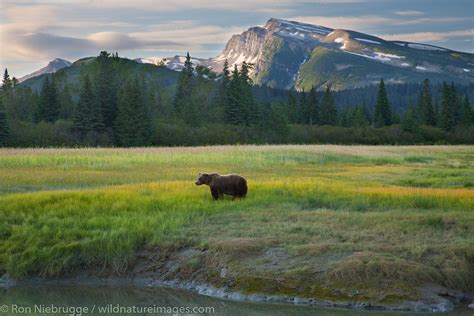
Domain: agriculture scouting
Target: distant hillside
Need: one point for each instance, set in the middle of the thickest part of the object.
(149, 74)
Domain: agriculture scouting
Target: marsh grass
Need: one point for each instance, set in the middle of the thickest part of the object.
(357, 211)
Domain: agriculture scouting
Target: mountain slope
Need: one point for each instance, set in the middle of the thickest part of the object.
(150, 75)
(290, 54)
(52, 67)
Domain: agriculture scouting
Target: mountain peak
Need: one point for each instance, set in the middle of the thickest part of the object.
(53, 66)
(60, 61)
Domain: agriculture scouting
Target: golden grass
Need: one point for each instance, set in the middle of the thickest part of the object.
(346, 209)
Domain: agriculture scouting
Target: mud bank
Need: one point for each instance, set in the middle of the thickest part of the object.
(437, 299)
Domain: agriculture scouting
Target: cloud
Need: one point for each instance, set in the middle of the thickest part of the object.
(40, 45)
(175, 36)
(427, 36)
(262, 6)
(409, 13)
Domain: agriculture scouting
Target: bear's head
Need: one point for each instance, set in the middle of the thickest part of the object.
(204, 178)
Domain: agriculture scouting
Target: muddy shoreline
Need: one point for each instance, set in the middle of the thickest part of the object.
(445, 303)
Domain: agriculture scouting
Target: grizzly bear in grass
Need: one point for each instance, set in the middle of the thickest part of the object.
(231, 184)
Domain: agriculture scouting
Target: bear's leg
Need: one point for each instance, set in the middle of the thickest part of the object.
(215, 193)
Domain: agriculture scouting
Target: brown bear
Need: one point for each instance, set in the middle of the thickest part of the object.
(231, 184)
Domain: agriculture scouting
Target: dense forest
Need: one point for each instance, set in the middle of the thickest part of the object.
(110, 107)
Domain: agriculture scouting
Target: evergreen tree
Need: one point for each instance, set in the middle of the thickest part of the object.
(383, 113)
(292, 108)
(447, 115)
(250, 108)
(408, 120)
(183, 103)
(466, 112)
(87, 117)
(426, 111)
(312, 115)
(4, 129)
(455, 104)
(105, 89)
(328, 108)
(66, 104)
(49, 107)
(234, 111)
(360, 117)
(221, 98)
(302, 108)
(7, 82)
(132, 125)
(188, 65)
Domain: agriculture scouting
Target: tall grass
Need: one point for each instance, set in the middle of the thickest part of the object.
(68, 209)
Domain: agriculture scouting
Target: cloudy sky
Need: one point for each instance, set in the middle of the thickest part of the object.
(34, 32)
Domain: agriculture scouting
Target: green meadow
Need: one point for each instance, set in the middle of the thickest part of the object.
(318, 221)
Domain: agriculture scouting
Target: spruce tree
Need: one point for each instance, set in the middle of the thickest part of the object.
(183, 103)
(224, 85)
(456, 105)
(250, 109)
(328, 108)
(466, 112)
(447, 116)
(292, 108)
(312, 115)
(4, 129)
(66, 104)
(132, 124)
(426, 111)
(383, 113)
(234, 111)
(360, 116)
(105, 89)
(408, 121)
(87, 117)
(302, 107)
(6, 82)
(49, 107)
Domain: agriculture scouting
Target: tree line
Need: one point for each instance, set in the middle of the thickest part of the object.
(206, 108)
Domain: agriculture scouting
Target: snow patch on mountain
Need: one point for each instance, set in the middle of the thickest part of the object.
(388, 56)
(381, 57)
(425, 47)
(367, 41)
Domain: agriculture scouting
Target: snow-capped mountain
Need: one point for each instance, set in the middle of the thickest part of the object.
(175, 63)
(288, 54)
(53, 66)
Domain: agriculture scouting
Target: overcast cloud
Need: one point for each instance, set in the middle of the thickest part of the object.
(34, 32)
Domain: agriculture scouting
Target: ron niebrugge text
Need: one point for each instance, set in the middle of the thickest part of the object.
(103, 309)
